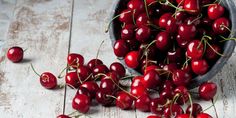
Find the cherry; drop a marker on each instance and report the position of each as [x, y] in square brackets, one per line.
[163, 19]
[63, 116]
[184, 116]
[127, 32]
[187, 31]
[204, 115]
[84, 73]
[211, 54]
[84, 91]
[15, 54]
[193, 20]
[136, 5]
[183, 43]
[151, 67]
[157, 105]
[221, 25]
[181, 78]
[195, 109]
[215, 11]
[199, 67]
[187, 68]
[136, 81]
[180, 2]
[167, 94]
[81, 103]
[171, 25]
[143, 33]
[92, 87]
[192, 6]
[133, 44]
[124, 100]
[108, 86]
[207, 90]
[151, 80]
[168, 84]
[206, 22]
[127, 15]
[149, 2]
[195, 49]
[162, 41]
[173, 110]
[118, 68]
[132, 59]
[143, 103]
[72, 79]
[121, 48]
[175, 55]
[74, 60]
[94, 62]
[142, 20]
[183, 94]
[100, 69]
[153, 116]
[103, 99]
[138, 91]
[180, 15]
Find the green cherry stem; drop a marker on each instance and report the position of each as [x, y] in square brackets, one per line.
[34, 69]
[191, 105]
[146, 8]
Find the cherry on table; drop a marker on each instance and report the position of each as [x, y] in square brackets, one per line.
[84, 91]
[91, 86]
[63, 116]
[143, 103]
[195, 109]
[81, 103]
[207, 90]
[74, 60]
[72, 79]
[156, 105]
[138, 91]
[121, 48]
[100, 69]
[124, 100]
[151, 80]
[94, 62]
[108, 86]
[118, 68]
[103, 99]
[173, 110]
[15, 54]
[132, 59]
[136, 81]
[184, 116]
[199, 67]
[84, 73]
[215, 11]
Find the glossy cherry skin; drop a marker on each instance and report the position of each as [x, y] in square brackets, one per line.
[187, 31]
[92, 87]
[163, 41]
[173, 110]
[168, 84]
[142, 20]
[63, 116]
[171, 25]
[94, 62]
[153, 116]
[48, 80]
[108, 86]
[112, 76]
[167, 94]
[204, 115]
[215, 11]
[175, 55]
[132, 59]
[72, 80]
[136, 5]
[220, 24]
[151, 67]
[121, 48]
[195, 50]
[143, 33]
[136, 81]
[127, 32]
[103, 99]
[81, 103]
[183, 43]
[207, 90]
[163, 20]
[118, 68]
[138, 91]
[151, 80]
[126, 16]
[15, 54]
[143, 103]
[196, 109]
[199, 67]
[183, 93]
[74, 60]
[84, 91]
[156, 105]
[192, 6]
[184, 116]
[210, 54]
[84, 73]
[181, 78]
[124, 100]
[100, 69]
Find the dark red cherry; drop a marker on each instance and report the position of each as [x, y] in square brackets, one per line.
[142, 20]
[48, 80]
[192, 6]
[132, 59]
[211, 54]
[180, 15]
[195, 49]
[84, 73]
[100, 69]
[133, 44]
[181, 78]
[168, 84]
[136, 81]
[163, 41]
[138, 91]
[187, 31]
[183, 93]
[168, 70]
[81, 103]
[124, 100]
[151, 80]
[221, 25]
[72, 79]
[183, 43]
[127, 32]
[112, 76]
[151, 67]
[175, 55]
[207, 90]
[171, 25]
[103, 98]
[121, 48]
[215, 11]
[15, 54]
[172, 111]
[180, 2]
[149, 2]
[193, 20]
[184, 116]
[92, 87]
[163, 19]
[143, 103]
[108, 86]
[118, 68]
[157, 105]
[153, 116]
[136, 5]
[74, 60]
[127, 15]
[199, 67]
[143, 33]
[94, 62]
[84, 91]
[204, 115]
[63, 116]
[195, 109]
[167, 94]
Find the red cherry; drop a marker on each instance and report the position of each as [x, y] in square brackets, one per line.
[204, 115]
[207, 90]
[112, 76]
[63, 116]
[81, 103]
[151, 80]
[175, 55]
[103, 99]
[163, 20]
[136, 5]
[212, 54]
[143, 103]
[84, 91]
[100, 69]
[118, 68]
[196, 109]
[127, 32]
[184, 94]
[166, 94]
[183, 43]
[136, 81]
[15, 54]
[187, 31]
[151, 67]
[192, 6]
[193, 20]
[48, 80]
[180, 15]
[163, 41]
[195, 49]
[171, 25]
[220, 24]
[199, 67]
[143, 33]
[126, 16]
[84, 73]
[153, 116]
[108, 86]
[75, 60]
[168, 84]
[121, 48]
[132, 59]
[181, 2]
[133, 44]
[124, 100]
[149, 2]
[156, 105]
[142, 20]
[138, 91]
[173, 110]
[94, 62]
[72, 79]
[215, 11]
[184, 116]
[92, 87]
[181, 78]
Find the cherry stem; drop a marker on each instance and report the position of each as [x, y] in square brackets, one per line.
[146, 8]
[60, 75]
[171, 5]
[133, 18]
[72, 113]
[87, 78]
[34, 70]
[25, 49]
[99, 48]
[186, 62]
[111, 96]
[191, 103]
[223, 26]
[109, 25]
[127, 77]
[213, 104]
[175, 98]
[213, 49]
[207, 5]
[199, 16]
[152, 3]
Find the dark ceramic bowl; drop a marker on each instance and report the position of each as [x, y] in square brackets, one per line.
[228, 47]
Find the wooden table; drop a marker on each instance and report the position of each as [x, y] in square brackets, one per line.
[44, 28]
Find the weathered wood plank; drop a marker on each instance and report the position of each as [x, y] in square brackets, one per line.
[41, 27]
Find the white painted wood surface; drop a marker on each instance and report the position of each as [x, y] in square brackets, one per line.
[43, 28]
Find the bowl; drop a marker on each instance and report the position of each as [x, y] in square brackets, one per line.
[228, 46]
